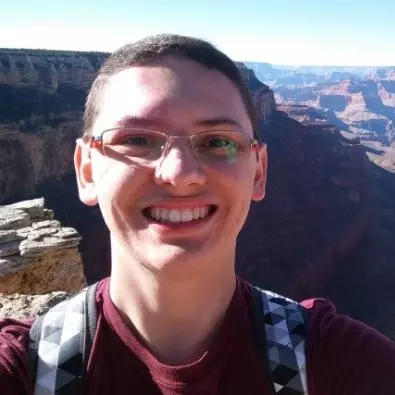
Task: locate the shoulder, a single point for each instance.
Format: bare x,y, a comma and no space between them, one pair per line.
14,337
102,290
325,323
359,357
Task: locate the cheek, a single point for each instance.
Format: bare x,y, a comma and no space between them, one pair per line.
238,179
119,189
117,182
236,184
241,211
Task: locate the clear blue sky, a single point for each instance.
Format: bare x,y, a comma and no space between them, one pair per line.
346,32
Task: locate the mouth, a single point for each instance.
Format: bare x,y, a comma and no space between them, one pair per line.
174,216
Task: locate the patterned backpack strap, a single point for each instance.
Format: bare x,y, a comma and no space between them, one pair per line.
60,343
280,335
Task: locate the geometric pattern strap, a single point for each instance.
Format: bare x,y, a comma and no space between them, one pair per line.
285,332
60,348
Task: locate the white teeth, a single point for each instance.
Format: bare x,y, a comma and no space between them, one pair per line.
176,215
165,214
186,215
196,213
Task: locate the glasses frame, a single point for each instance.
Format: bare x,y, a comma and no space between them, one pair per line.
97,141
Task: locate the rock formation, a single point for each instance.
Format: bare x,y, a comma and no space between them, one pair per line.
33,153
46,70
37,257
263,96
28,306
42,95
383,74
365,108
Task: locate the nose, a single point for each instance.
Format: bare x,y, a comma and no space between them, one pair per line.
179,168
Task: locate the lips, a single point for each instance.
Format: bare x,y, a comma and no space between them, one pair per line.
178,215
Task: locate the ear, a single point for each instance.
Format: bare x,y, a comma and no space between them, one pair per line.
83,170
259,186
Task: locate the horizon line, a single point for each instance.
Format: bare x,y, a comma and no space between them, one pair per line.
239,61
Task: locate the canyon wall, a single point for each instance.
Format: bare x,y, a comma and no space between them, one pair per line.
42,96
47,70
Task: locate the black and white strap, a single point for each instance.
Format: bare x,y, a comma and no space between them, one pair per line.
61,340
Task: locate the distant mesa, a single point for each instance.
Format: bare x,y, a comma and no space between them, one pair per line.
47,70
384,74
276,75
364,106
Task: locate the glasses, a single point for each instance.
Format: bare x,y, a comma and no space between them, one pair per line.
146,146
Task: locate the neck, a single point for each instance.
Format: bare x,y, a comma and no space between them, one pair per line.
175,318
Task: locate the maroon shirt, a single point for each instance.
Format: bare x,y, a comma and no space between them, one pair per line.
343,356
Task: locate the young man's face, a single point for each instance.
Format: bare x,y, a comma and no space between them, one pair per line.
178,97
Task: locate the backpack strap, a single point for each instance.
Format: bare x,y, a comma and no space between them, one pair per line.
280,337
60,343
90,324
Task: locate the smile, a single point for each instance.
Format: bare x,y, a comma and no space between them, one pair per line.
173,215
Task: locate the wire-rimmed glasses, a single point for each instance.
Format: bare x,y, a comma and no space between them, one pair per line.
145,146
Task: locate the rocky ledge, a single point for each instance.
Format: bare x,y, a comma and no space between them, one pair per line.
39,259
27,306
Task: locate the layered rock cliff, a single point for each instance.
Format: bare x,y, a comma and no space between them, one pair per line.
325,227
39,259
42,95
46,70
29,158
262,95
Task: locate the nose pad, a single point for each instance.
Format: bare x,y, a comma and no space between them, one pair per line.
169,145
179,166
185,146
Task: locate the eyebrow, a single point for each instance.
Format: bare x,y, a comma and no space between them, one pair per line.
152,123
217,122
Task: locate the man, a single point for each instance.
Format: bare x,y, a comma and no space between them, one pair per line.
170,154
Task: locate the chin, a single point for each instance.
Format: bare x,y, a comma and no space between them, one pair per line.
175,260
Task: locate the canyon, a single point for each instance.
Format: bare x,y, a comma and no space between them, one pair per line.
359,101
325,227
364,108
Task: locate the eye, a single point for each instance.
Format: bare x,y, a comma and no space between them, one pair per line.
216,141
217,145
134,143
220,142
136,140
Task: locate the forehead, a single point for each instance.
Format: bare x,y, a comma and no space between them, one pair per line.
173,93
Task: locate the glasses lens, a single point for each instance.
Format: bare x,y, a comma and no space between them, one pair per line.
221,146
134,143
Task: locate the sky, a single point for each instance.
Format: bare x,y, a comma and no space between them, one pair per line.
286,32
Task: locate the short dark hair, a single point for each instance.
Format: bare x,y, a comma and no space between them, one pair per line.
152,48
